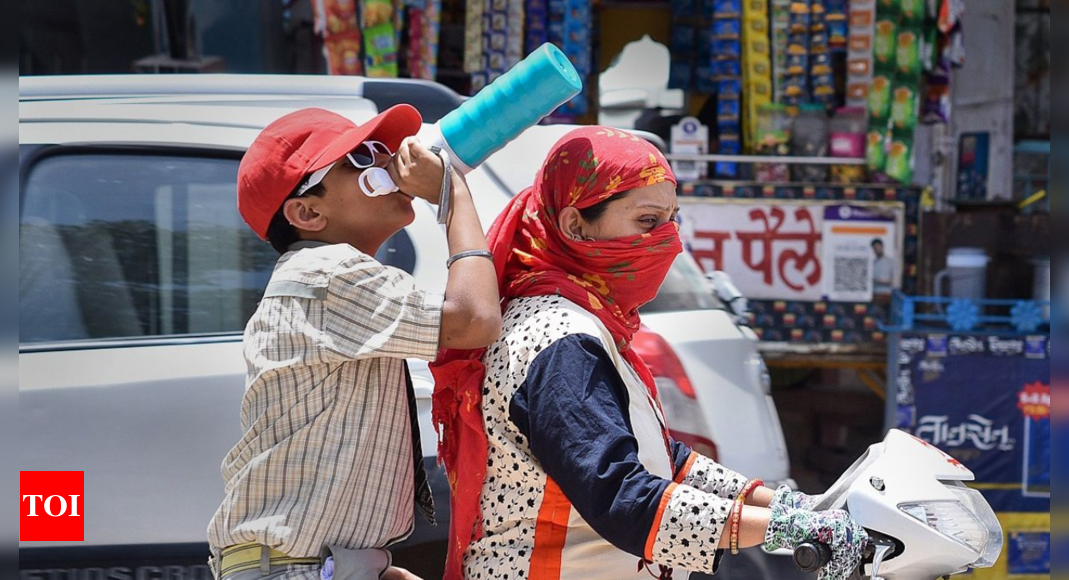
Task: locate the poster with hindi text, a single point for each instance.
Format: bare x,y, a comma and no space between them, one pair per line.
795,250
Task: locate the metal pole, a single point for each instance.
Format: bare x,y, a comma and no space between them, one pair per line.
712,158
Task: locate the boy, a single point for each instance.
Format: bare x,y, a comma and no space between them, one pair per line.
329,464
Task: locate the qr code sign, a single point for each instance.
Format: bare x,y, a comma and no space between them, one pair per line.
851,275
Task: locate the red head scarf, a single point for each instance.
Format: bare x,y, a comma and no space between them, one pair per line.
611,279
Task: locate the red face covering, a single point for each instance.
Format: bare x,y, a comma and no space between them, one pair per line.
611,279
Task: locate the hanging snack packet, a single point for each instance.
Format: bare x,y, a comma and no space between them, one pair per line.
727,8
900,158
474,54
876,149
380,50
729,88
883,48
904,108
727,29
912,11
880,98
727,68
908,53
727,49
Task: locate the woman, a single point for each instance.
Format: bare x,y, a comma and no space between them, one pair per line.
553,438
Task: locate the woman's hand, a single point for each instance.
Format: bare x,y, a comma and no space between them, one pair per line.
794,500
399,574
790,528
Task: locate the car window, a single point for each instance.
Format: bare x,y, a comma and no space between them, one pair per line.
24,151
399,252
119,245
685,288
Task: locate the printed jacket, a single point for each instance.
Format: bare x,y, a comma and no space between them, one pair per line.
583,482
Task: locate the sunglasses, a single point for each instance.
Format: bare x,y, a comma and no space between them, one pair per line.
364,156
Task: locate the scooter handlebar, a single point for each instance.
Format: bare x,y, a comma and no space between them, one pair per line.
810,557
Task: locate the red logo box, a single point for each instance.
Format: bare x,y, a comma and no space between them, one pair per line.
52,506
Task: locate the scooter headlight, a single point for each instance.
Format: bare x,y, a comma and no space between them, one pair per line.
969,521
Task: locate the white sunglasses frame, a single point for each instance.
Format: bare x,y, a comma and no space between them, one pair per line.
315,178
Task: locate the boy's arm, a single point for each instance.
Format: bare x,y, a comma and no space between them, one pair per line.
471,315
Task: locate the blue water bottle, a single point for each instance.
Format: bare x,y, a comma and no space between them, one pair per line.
517,100
485,123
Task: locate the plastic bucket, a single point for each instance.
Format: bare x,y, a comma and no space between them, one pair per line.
966,273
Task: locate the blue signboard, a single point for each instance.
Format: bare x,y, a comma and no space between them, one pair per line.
1028,553
986,401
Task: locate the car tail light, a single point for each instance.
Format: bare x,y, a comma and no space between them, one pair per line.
662,360
686,423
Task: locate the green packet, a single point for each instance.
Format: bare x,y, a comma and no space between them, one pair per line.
380,49
883,45
908,52
876,149
880,97
904,106
912,11
900,157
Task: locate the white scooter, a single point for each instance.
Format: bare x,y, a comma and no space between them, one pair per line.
924,522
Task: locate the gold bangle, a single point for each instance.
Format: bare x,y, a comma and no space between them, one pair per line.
736,527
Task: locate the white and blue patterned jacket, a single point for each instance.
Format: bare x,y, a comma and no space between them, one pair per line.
582,482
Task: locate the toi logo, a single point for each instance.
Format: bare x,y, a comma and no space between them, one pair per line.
53,506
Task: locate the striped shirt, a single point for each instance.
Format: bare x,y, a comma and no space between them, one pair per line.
326,456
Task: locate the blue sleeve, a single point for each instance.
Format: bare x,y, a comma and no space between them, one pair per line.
573,410
680,456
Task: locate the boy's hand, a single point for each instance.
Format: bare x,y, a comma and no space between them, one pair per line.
417,171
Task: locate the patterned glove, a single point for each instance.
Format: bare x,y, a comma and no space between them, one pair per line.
789,528
793,500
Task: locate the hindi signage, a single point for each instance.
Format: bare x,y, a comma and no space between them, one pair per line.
802,251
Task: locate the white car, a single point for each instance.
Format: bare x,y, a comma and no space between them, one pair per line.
136,277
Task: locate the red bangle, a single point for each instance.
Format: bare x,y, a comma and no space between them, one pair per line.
748,489
736,513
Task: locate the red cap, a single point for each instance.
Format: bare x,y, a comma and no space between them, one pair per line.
303,142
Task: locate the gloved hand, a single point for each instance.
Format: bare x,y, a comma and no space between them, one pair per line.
794,500
789,528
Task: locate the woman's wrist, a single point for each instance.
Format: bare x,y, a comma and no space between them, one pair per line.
761,497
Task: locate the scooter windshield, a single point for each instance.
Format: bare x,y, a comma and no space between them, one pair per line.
835,497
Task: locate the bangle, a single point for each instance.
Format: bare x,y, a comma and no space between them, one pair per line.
736,513
445,195
748,489
468,254
736,526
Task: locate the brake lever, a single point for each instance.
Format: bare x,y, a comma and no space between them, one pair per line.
879,550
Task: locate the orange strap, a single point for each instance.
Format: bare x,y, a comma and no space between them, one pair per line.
665,497
551,530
